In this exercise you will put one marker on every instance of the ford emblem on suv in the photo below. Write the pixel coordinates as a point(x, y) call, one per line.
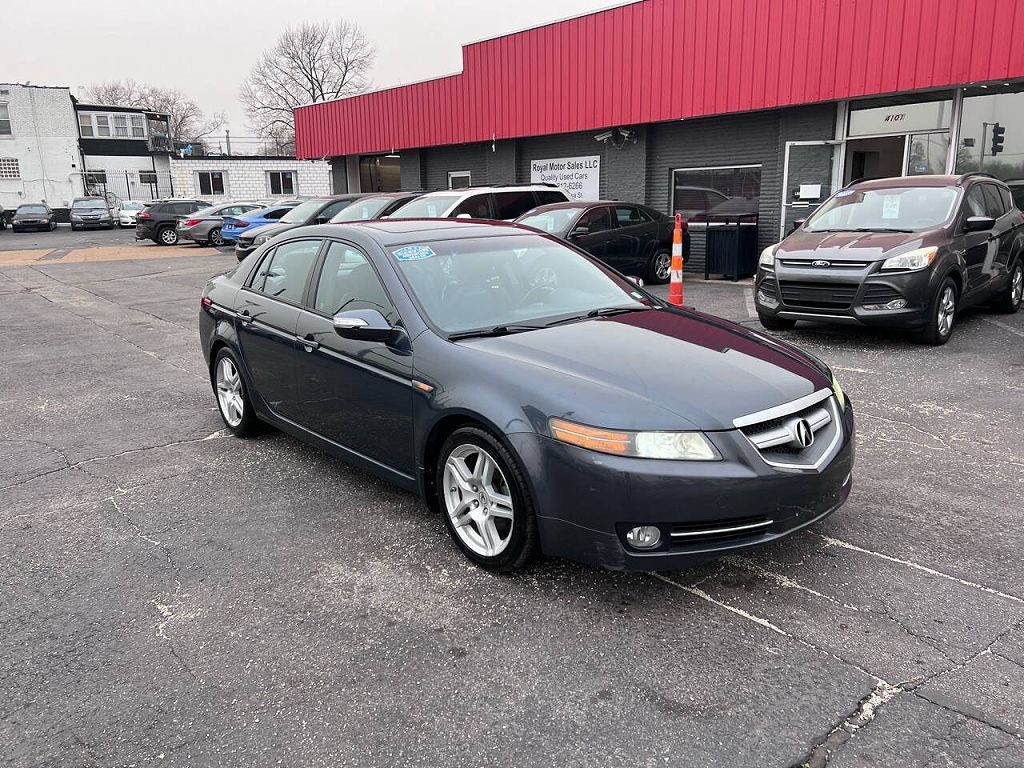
point(821, 263)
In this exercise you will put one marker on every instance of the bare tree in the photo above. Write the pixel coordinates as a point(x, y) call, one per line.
point(309, 63)
point(186, 120)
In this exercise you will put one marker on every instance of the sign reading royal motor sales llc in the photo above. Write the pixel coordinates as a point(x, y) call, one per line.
point(580, 177)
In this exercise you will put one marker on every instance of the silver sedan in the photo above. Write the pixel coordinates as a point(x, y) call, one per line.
point(203, 227)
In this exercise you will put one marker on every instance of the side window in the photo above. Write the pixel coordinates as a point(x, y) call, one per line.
point(477, 207)
point(993, 201)
point(328, 213)
point(596, 220)
point(1007, 199)
point(628, 216)
point(277, 214)
point(975, 205)
point(283, 274)
point(512, 205)
point(348, 282)
point(545, 197)
point(180, 209)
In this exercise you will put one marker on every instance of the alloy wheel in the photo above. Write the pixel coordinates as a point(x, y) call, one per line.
point(947, 310)
point(215, 237)
point(229, 392)
point(663, 266)
point(1017, 285)
point(168, 236)
point(478, 500)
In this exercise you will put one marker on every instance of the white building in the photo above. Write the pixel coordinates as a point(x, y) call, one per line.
point(39, 153)
point(241, 177)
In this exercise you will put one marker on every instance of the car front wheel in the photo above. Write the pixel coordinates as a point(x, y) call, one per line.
point(167, 236)
point(485, 503)
point(941, 315)
point(660, 268)
point(232, 397)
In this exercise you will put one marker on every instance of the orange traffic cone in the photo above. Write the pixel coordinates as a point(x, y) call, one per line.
point(675, 288)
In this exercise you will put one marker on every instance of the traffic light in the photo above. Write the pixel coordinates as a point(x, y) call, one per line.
point(998, 137)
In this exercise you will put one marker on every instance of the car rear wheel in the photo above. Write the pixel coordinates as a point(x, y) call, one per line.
point(941, 315)
point(1010, 298)
point(485, 502)
point(660, 268)
point(215, 237)
point(232, 397)
point(773, 323)
point(167, 236)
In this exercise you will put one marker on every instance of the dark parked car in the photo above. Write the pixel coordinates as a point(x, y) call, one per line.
point(317, 211)
point(375, 206)
point(91, 212)
point(910, 252)
point(634, 239)
point(529, 393)
point(34, 216)
point(159, 221)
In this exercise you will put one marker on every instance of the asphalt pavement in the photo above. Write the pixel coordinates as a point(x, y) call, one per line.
point(173, 596)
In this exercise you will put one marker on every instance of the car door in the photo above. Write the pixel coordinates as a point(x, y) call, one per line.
point(268, 314)
point(1003, 233)
point(636, 239)
point(979, 247)
point(593, 231)
point(354, 392)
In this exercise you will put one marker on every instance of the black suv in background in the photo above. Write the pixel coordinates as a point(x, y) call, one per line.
point(159, 220)
point(908, 252)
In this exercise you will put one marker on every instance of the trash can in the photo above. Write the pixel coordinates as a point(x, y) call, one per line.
point(731, 249)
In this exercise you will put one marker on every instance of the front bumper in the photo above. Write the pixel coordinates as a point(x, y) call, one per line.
point(586, 501)
point(37, 225)
point(126, 221)
point(842, 296)
point(243, 249)
point(97, 223)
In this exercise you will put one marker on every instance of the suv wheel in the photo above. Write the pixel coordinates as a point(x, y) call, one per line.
point(1009, 299)
point(167, 236)
point(941, 314)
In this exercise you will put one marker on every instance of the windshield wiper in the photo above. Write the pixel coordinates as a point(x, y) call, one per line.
point(498, 330)
point(602, 312)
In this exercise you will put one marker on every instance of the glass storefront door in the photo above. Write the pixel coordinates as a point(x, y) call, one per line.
point(807, 179)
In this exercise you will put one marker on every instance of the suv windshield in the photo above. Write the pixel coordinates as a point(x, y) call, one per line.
point(362, 210)
point(89, 205)
point(555, 220)
point(490, 282)
point(300, 214)
point(31, 209)
point(902, 208)
point(426, 207)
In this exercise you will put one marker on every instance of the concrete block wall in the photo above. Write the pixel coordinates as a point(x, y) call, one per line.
point(245, 178)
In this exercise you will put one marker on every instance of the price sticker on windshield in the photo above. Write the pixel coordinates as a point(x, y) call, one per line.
point(414, 253)
point(891, 207)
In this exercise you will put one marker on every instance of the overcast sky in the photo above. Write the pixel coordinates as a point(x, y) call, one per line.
point(206, 48)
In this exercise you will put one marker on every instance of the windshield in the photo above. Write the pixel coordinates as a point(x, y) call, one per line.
point(31, 209)
point(128, 205)
point(89, 205)
point(362, 210)
point(482, 283)
point(426, 207)
point(555, 220)
point(901, 208)
point(300, 214)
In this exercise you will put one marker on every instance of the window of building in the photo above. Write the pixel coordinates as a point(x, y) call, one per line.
point(102, 125)
point(211, 182)
point(95, 177)
point(459, 179)
point(9, 168)
point(717, 194)
point(5, 120)
point(138, 127)
point(281, 182)
point(85, 125)
point(992, 131)
point(147, 177)
point(120, 126)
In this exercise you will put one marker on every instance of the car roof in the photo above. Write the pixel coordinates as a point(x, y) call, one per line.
point(933, 180)
point(580, 204)
point(486, 190)
point(391, 232)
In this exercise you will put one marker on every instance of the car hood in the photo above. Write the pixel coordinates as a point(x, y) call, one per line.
point(268, 229)
point(635, 371)
point(849, 246)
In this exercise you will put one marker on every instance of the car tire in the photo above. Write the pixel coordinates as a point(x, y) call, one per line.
point(775, 323)
point(232, 395)
point(167, 236)
point(659, 269)
point(1008, 301)
point(215, 238)
point(942, 311)
point(498, 529)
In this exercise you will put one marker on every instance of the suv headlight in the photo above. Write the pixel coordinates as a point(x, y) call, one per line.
point(911, 260)
point(676, 446)
point(767, 259)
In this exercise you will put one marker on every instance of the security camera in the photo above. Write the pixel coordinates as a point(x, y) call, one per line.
point(604, 136)
point(627, 133)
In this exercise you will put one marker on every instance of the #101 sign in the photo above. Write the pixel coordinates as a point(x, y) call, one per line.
point(580, 177)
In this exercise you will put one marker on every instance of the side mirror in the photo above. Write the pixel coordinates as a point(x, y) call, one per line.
point(979, 223)
point(797, 224)
point(463, 216)
point(322, 219)
point(635, 280)
point(580, 231)
point(363, 325)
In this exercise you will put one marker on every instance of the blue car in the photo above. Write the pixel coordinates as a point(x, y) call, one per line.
point(235, 225)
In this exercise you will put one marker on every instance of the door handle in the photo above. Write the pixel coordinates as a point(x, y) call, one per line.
point(244, 316)
point(310, 343)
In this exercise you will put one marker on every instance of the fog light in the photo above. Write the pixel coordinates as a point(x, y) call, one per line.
point(768, 301)
point(644, 537)
point(894, 304)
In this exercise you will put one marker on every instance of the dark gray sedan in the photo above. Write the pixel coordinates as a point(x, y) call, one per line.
point(37, 216)
point(537, 400)
point(203, 227)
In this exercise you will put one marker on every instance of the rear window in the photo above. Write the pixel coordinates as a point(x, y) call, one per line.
point(427, 207)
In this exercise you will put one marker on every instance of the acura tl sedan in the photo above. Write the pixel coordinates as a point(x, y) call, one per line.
point(538, 400)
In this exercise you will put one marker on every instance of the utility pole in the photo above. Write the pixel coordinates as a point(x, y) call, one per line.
point(227, 136)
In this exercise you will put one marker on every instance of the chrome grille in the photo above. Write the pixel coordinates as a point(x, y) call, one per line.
point(775, 433)
point(817, 295)
point(809, 263)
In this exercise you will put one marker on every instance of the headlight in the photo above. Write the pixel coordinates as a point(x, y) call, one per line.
point(838, 390)
point(261, 239)
point(676, 446)
point(767, 259)
point(916, 259)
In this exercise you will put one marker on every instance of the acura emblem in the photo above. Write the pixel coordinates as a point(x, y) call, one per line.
point(821, 263)
point(803, 434)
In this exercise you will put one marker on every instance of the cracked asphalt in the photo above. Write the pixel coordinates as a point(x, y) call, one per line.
point(172, 596)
